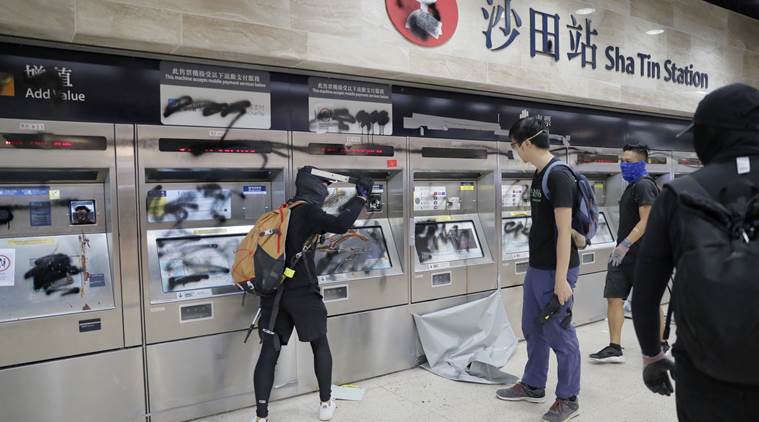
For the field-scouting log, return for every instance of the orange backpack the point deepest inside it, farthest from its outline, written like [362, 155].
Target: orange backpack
[260, 265]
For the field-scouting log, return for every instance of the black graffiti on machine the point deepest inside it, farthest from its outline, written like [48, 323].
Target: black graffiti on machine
[52, 273]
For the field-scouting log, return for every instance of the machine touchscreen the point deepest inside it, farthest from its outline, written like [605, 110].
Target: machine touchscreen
[603, 234]
[196, 262]
[360, 249]
[516, 235]
[451, 241]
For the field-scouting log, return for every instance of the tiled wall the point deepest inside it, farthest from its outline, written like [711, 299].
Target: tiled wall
[356, 37]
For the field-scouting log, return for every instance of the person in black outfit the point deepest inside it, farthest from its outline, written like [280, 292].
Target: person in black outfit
[634, 208]
[726, 139]
[301, 304]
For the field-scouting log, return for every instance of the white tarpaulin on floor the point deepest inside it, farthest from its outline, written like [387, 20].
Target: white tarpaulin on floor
[469, 342]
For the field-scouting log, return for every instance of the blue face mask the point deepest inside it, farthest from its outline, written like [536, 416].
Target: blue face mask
[632, 172]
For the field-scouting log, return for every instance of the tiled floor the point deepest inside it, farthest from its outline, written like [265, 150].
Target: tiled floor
[609, 393]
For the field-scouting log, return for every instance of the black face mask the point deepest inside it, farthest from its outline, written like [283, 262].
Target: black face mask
[310, 188]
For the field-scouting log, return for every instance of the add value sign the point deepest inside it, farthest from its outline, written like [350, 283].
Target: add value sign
[428, 23]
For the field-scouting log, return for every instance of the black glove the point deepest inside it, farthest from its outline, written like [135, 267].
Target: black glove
[364, 186]
[656, 377]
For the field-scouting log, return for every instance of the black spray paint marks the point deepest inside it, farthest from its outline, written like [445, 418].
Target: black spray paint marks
[6, 216]
[209, 108]
[50, 270]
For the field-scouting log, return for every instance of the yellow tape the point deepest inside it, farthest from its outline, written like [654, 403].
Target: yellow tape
[289, 272]
[466, 187]
[443, 218]
[208, 231]
[520, 213]
[27, 242]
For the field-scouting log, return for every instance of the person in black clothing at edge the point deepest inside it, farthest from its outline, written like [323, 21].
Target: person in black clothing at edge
[716, 372]
[551, 275]
[634, 208]
[301, 304]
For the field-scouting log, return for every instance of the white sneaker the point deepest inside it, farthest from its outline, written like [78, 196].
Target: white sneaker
[327, 410]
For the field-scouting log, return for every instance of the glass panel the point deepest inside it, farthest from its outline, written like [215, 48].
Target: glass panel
[360, 249]
[603, 234]
[516, 235]
[441, 242]
[196, 262]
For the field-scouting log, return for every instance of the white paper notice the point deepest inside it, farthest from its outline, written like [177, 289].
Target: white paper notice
[7, 267]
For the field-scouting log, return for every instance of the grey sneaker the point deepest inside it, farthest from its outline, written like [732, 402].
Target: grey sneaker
[521, 392]
[562, 410]
[608, 354]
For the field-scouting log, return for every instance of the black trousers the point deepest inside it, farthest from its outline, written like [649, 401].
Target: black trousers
[701, 398]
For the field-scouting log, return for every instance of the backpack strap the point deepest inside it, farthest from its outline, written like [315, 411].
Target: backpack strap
[544, 184]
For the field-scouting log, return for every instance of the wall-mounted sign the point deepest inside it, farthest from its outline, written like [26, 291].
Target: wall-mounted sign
[503, 26]
[341, 106]
[200, 95]
[427, 23]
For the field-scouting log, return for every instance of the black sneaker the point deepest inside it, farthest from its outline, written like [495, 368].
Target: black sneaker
[562, 410]
[665, 347]
[608, 354]
[521, 392]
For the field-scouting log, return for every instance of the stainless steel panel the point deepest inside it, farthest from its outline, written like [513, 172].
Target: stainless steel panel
[423, 289]
[212, 374]
[513, 300]
[590, 305]
[94, 388]
[128, 235]
[370, 344]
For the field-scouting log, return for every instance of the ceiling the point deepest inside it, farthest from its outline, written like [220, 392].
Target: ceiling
[745, 7]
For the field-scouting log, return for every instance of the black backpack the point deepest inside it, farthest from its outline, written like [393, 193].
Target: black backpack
[716, 288]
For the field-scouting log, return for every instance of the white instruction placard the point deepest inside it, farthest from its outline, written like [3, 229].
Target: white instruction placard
[7, 267]
[429, 198]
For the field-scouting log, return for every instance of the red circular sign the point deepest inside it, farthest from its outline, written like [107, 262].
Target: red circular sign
[428, 23]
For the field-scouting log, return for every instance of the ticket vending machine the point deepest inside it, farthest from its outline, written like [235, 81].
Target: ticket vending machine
[362, 269]
[63, 288]
[516, 221]
[198, 197]
[454, 217]
[362, 273]
[685, 163]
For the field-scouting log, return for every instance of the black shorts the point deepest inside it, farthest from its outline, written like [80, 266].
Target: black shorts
[303, 309]
[619, 280]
